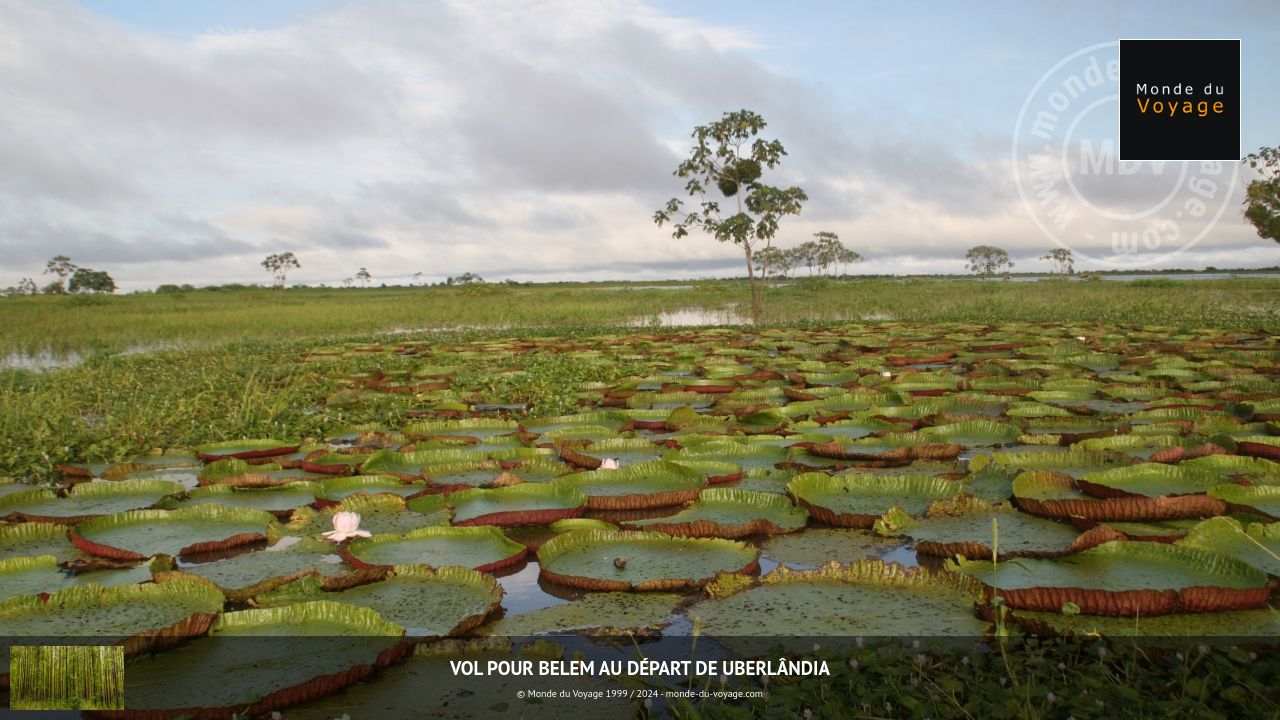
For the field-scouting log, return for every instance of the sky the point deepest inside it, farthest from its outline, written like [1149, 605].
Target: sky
[182, 142]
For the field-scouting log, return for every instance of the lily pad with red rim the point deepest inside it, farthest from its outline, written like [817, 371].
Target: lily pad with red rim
[425, 601]
[729, 513]
[636, 487]
[303, 651]
[857, 500]
[138, 534]
[648, 561]
[1125, 578]
[522, 504]
[483, 549]
[244, 449]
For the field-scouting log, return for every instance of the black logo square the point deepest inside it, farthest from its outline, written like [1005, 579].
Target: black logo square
[1180, 100]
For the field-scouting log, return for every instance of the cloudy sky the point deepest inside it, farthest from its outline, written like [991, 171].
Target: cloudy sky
[182, 142]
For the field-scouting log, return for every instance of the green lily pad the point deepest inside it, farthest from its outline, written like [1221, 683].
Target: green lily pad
[379, 514]
[857, 500]
[1125, 578]
[482, 548]
[244, 575]
[819, 546]
[425, 601]
[88, 499]
[1264, 499]
[603, 560]
[31, 575]
[1149, 480]
[411, 465]
[244, 449]
[605, 613]
[1256, 543]
[974, 433]
[138, 534]
[869, 598]
[974, 530]
[115, 612]
[338, 488]
[523, 504]
[273, 499]
[31, 538]
[330, 646]
[729, 513]
[636, 487]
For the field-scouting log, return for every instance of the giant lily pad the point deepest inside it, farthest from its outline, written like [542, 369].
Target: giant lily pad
[523, 504]
[1255, 543]
[865, 598]
[42, 574]
[149, 615]
[1263, 499]
[316, 648]
[138, 534]
[482, 548]
[1148, 480]
[819, 546]
[425, 601]
[410, 465]
[244, 575]
[1125, 578]
[974, 433]
[340, 487]
[636, 487]
[729, 513]
[379, 514]
[857, 500]
[31, 538]
[1055, 494]
[618, 560]
[971, 530]
[86, 500]
[244, 449]
[604, 614]
[279, 500]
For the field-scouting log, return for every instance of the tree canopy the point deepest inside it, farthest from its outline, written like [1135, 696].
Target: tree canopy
[987, 260]
[1262, 196]
[279, 265]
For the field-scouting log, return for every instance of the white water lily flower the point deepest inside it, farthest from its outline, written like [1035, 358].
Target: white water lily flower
[346, 525]
[1081, 338]
[885, 373]
[609, 464]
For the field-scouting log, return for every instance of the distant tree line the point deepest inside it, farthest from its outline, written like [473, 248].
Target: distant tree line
[69, 278]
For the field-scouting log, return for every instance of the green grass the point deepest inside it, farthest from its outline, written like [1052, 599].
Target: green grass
[86, 325]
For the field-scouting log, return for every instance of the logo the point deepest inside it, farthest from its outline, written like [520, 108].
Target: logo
[1066, 163]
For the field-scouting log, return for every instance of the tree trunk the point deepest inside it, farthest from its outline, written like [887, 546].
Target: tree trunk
[757, 302]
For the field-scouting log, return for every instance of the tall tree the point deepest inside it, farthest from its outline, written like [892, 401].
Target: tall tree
[729, 156]
[987, 260]
[1262, 196]
[62, 267]
[1060, 260]
[364, 277]
[279, 265]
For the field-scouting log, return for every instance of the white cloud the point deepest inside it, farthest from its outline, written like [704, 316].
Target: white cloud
[518, 140]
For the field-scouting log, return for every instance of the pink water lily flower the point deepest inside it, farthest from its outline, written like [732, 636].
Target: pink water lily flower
[609, 464]
[346, 525]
